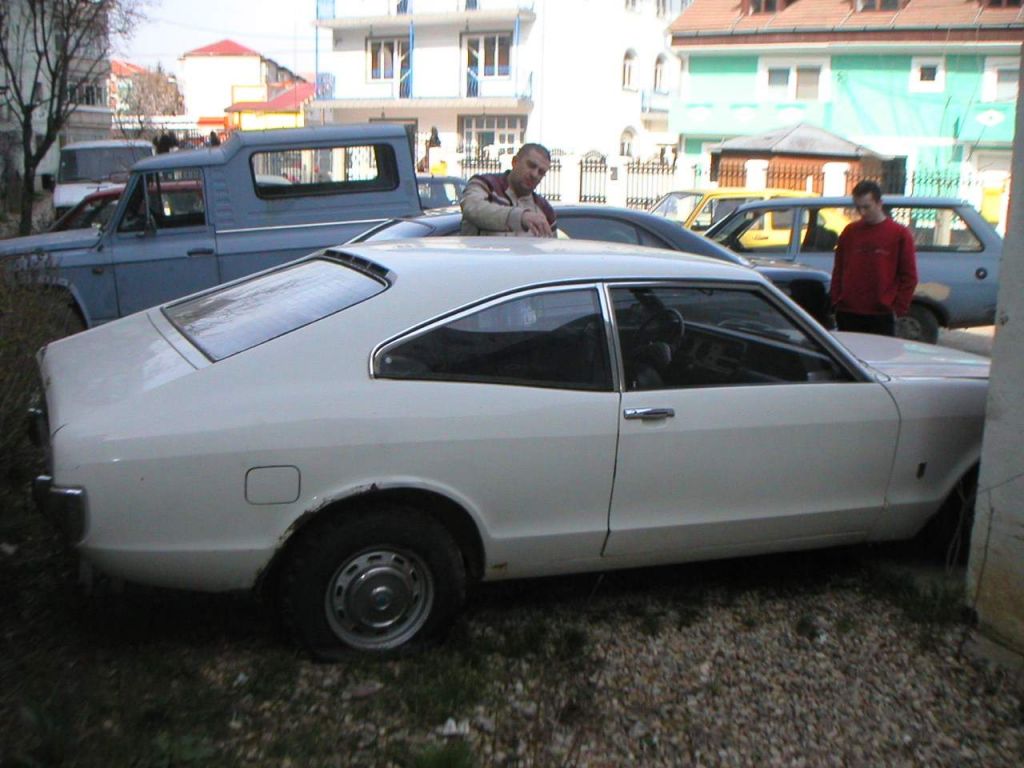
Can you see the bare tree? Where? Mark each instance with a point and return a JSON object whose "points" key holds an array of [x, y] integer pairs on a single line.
{"points": [[148, 93], [49, 51]]}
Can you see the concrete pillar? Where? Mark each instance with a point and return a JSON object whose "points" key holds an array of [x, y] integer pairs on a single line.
{"points": [[757, 174], [834, 184], [570, 182], [616, 185], [995, 573]]}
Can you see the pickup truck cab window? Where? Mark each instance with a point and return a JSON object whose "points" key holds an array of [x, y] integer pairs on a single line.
{"points": [[324, 170]]}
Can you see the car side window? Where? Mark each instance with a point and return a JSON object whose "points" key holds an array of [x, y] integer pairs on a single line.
{"points": [[595, 228], [552, 338], [820, 228], [754, 232], [937, 229], [324, 170], [164, 200], [682, 337]]}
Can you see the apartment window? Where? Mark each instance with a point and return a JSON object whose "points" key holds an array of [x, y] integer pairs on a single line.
{"points": [[628, 65], [878, 5], [787, 80], [1000, 79], [489, 55], [388, 58], [630, 5], [662, 7], [88, 94], [766, 6], [1003, 3], [1007, 84], [659, 74], [471, 5], [927, 75], [503, 133], [402, 6]]}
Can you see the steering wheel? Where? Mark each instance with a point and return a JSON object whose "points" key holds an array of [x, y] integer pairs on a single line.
{"points": [[665, 325]]}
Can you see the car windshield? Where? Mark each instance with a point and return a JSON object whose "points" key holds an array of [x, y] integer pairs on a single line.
{"points": [[238, 317], [677, 205], [97, 163], [395, 230]]}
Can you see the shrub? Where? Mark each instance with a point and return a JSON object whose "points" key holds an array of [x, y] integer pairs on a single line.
{"points": [[30, 316]]}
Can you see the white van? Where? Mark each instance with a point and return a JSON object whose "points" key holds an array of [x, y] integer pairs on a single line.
{"points": [[88, 166]]}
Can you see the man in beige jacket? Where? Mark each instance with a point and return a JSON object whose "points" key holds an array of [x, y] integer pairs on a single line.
{"points": [[505, 204]]}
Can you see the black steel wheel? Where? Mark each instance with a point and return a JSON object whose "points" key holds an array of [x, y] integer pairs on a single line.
{"points": [[377, 580]]}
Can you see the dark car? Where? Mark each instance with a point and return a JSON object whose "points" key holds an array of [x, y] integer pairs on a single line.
{"points": [[808, 287], [958, 252], [93, 210], [439, 191]]}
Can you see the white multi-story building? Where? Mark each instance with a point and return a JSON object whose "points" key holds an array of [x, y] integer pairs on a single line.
{"points": [[575, 75]]}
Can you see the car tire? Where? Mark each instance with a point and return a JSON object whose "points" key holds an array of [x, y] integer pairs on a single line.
{"points": [[947, 536], [919, 324], [380, 580]]}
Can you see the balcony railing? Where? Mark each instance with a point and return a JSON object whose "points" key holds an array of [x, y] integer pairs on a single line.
{"points": [[654, 101]]}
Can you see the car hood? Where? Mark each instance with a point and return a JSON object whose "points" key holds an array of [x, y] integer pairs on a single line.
{"points": [[108, 365], [50, 242], [900, 358]]}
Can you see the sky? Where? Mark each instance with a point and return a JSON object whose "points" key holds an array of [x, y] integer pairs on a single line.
{"points": [[281, 30]]}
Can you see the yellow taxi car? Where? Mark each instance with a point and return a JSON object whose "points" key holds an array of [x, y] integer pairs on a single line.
{"points": [[698, 209]]}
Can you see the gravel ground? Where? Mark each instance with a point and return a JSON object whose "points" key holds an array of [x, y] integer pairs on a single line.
{"points": [[814, 659]]}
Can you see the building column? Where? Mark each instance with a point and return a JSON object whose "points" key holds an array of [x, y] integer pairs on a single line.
{"points": [[757, 173], [995, 572], [834, 184]]}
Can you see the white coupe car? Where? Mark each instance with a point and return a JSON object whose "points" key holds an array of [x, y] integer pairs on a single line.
{"points": [[366, 431]]}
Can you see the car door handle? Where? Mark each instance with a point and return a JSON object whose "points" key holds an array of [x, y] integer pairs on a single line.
{"points": [[649, 413], [200, 252]]}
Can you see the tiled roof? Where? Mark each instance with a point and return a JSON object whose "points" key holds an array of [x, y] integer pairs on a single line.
{"points": [[290, 100], [223, 48], [726, 17], [121, 68], [799, 139]]}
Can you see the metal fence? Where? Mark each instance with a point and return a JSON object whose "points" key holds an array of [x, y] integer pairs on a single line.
{"points": [[646, 182], [551, 185], [593, 179], [479, 164]]}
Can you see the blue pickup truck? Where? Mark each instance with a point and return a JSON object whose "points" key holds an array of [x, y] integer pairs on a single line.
{"points": [[191, 220]]}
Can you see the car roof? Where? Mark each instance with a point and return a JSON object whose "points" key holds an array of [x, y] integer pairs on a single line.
{"points": [[495, 264], [846, 202], [107, 143], [111, 191], [738, 192]]}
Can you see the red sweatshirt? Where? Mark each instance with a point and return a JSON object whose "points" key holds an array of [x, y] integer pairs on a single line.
{"points": [[875, 269]]}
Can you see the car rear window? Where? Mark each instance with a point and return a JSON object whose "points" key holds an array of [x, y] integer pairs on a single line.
{"points": [[238, 317]]}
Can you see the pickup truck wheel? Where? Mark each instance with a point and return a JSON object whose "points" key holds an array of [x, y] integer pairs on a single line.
{"points": [[919, 324], [380, 580]]}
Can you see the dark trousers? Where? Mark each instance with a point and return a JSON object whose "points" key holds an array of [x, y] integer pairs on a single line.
{"points": [[883, 325]]}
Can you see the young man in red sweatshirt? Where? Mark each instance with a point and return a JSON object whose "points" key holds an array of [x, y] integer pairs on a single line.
{"points": [[875, 269]]}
